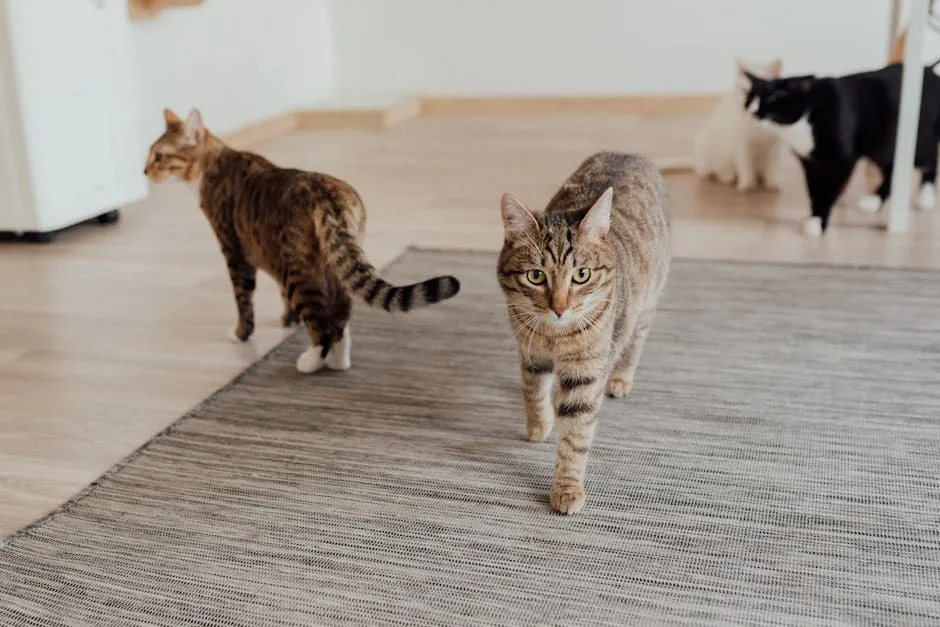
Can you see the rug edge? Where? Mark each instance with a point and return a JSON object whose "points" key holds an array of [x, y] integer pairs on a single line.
{"points": [[176, 423], [169, 429]]}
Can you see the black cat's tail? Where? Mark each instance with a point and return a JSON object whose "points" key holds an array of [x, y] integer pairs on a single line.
{"points": [[349, 262]]}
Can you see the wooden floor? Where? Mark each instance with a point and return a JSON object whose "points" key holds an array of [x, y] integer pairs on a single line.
{"points": [[111, 333]]}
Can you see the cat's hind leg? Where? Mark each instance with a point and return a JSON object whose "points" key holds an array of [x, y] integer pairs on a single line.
{"points": [[338, 328], [872, 203], [309, 302], [927, 196], [339, 357], [324, 308]]}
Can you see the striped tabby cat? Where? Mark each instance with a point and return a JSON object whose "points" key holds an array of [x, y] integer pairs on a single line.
{"points": [[582, 281], [302, 228]]}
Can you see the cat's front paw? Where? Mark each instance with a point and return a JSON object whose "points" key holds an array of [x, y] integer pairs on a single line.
{"points": [[241, 332], [567, 499], [771, 184], [746, 184], [310, 360], [812, 227], [870, 203], [538, 431], [618, 387], [927, 198]]}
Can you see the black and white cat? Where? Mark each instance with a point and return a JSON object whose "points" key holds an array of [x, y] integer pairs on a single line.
{"points": [[830, 123]]}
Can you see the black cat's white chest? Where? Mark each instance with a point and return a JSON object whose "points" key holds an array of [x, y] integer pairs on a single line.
{"points": [[798, 136]]}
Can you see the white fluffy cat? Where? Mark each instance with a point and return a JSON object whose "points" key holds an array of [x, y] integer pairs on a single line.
{"points": [[733, 146]]}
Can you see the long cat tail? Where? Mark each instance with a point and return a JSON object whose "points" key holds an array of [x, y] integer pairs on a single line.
{"points": [[361, 278]]}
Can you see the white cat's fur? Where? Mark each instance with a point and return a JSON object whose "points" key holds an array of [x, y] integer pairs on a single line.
{"points": [[733, 146]]}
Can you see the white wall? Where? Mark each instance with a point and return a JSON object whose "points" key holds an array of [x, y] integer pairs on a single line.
{"points": [[239, 61], [485, 47]]}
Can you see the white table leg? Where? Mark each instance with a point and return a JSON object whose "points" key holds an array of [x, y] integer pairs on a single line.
{"points": [[911, 88]]}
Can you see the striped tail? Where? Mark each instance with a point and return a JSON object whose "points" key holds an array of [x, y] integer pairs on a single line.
{"points": [[361, 278]]}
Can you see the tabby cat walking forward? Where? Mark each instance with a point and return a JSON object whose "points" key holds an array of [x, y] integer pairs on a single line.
{"points": [[302, 228], [582, 281]]}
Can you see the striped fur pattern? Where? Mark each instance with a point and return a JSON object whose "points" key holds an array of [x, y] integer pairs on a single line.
{"points": [[302, 228], [582, 281]]}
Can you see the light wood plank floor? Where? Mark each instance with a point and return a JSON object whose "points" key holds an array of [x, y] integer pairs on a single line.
{"points": [[111, 333]]}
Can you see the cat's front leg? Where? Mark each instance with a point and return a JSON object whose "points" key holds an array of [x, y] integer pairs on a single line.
{"points": [[242, 275], [577, 398], [744, 166], [537, 381], [825, 182]]}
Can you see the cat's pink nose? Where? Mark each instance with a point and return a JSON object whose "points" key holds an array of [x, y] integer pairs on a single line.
{"points": [[559, 310]]}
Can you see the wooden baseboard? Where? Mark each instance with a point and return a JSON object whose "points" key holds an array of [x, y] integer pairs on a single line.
{"points": [[567, 105], [388, 115], [374, 117], [402, 111], [147, 9], [261, 131]]}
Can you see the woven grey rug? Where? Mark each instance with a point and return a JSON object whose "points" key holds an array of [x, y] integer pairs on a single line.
{"points": [[778, 462]]}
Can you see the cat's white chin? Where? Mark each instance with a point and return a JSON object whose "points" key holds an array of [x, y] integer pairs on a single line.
{"points": [[560, 322]]}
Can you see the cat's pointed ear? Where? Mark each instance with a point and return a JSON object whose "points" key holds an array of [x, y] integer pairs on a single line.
{"points": [[517, 219], [171, 118], [195, 129], [775, 68], [744, 79], [596, 222]]}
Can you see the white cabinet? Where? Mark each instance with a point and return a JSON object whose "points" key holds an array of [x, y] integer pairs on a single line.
{"points": [[71, 146]]}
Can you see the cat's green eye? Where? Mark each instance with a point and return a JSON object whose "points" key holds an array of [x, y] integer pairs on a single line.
{"points": [[581, 275], [535, 277]]}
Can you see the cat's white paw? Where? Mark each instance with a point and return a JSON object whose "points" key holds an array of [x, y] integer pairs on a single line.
{"points": [[746, 185], [927, 199], [339, 357], [870, 203], [772, 184], [233, 335], [812, 226], [310, 360]]}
